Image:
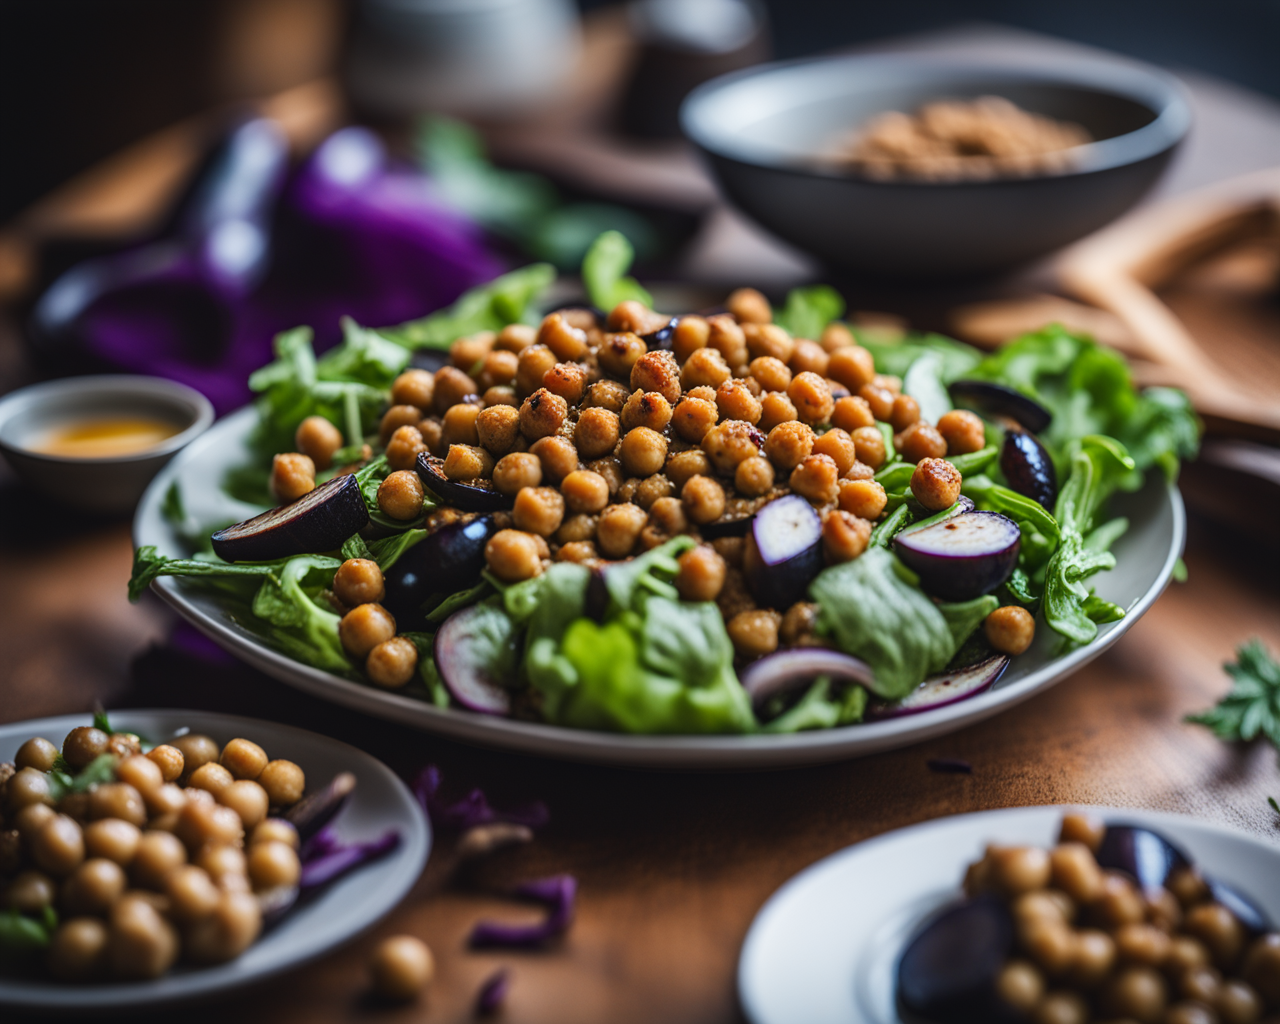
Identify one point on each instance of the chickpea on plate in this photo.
(119, 859)
(745, 520)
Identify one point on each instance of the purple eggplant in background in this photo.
(962, 557)
(251, 250)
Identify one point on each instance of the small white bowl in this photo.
(110, 484)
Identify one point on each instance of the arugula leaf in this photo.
(505, 300)
(389, 550)
(354, 547)
(149, 565)
(428, 671)
(364, 357)
(23, 935)
(808, 310)
(604, 269)
(304, 629)
(898, 356)
(1274, 806)
(1252, 708)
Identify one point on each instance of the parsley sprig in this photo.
(1252, 708)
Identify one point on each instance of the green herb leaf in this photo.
(1252, 708)
(1274, 806)
(809, 310)
(149, 565)
(604, 269)
(505, 300)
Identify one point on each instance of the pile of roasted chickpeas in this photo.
(609, 445)
(169, 860)
(1093, 946)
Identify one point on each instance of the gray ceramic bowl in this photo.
(111, 484)
(763, 131)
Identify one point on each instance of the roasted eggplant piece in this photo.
(999, 400)
(1028, 468)
(962, 557)
(783, 551)
(468, 496)
(947, 688)
(318, 521)
(446, 561)
(663, 337)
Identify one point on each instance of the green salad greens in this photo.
(613, 646)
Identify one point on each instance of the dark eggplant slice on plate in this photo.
(947, 688)
(727, 526)
(318, 521)
(312, 813)
(446, 561)
(999, 400)
(663, 337)
(947, 974)
(1028, 468)
(783, 551)
(469, 496)
(464, 673)
(962, 557)
(797, 668)
(429, 359)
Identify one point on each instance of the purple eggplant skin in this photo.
(466, 681)
(999, 400)
(962, 557)
(318, 521)
(946, 688)
(471, 496)
(663, 337)
(1028, 468)
(446, 561)
(783, 551)
(797, 668)
(947, 973)
(726, 526)
(314, 811)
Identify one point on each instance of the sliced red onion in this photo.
(473, 809)
(948, 688)
(326, 858)
(798, 667)
(557, 893)
(493, 992)
(468, 681)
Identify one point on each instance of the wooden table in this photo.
(672, 867)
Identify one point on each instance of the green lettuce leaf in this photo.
(604, 271)
(808, 310)
(897, 356)
(823, 706)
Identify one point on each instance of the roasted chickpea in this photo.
(28, 787)
(706, 367)
(513, 555)
(30, 892)
(844, 536)
(466, 352)
(618, 353)
(811, 396)
(516, 471)
(1136, 992)
(538, 510)
(141, 943)
(192, 893)
(558, 456)
(888, 382)
(272, 864)
(962, 431)
(1075, 872)
(851, 413)
(906, 412)
(1061, 1008)
(869, 445)
(318, 439)
(534, 364)
(1035, 906)
(396, 417)
(227, 932)
(596, 433)
(1052, 945)
(143, 774)
(657, 372)
(113, 839)
(84, 744)
(754, 633)
(166, 799)
(276, 830)
(57, 847)
(772, 373)
(499, 370)
(458, 425)
(935, 483)
(683, 465)
(93, 887)
(839, 446)
(735, 401)
(703, 499)
(247, 799)
(693, 417)
(1119, 904)
(584, 491)
(1083, 828)
(516, 338)
(646, 409)
(748, 306)
(1009, 629)
(37, 753)
(643, 451)
(667, 514)
(452, 386)
(817, 479)
(581, 551)
(1142, 944)
(1237, 1003)
(619, 529)
(401, 967)
(414, 387)
(243, 758)
(1187, 885)
(392, 663)
(920, 441)
(1262, 967)
(78, 951)
(650, 489)
(284, 782)
(292, 476)
(701, 574)
(853, 366)
(1200, 983)
(212, 778)
(788, 445)
(196, 750)
(766, 340)
(358, 581)
(581, 526)
(1020, 985)
(1215, 926)
(31, 819)
(1018, 869)
(564, 340)
(433, 435)
(691, 334)
(775, 408)
(401, 494)
(753, 476)
(864, 498)
(1094, 958)
(500, 395)
(364, 627)
(498, 429)
(836, 336)
(878, 399)
(808, 357)
(542, 414)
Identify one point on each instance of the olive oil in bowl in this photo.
(105, 437)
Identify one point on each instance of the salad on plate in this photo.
(739, 521)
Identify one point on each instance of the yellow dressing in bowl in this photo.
(105, 437)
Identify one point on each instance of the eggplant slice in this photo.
(320, 520)
(469, 496)
(999, 400)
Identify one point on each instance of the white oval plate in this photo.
(1145, 557)
(824, 948)
(340, 912)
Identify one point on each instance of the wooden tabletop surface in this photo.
(672, 867)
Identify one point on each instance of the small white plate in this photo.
(1145, 559)
(339, 913)
(824, 948)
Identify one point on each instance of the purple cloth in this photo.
(351, 234)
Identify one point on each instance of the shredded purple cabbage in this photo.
(493, 992)
(473, 809)
(557, 893)
(326, 858)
